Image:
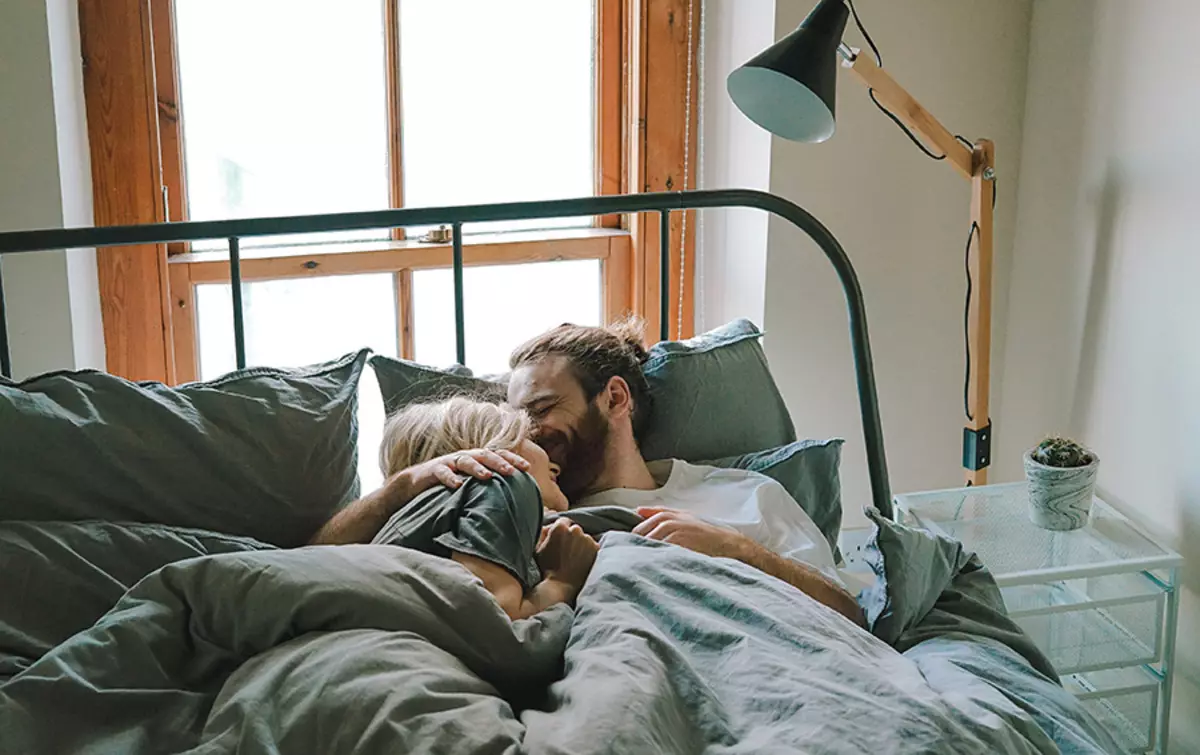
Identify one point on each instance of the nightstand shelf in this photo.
(1101, 601)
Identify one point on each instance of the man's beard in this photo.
(581, 456)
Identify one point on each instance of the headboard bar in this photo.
(661, 202)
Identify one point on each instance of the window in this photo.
(272, 107)
(284, 108)
(285, 111)
(497, 103)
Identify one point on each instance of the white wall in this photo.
(734, 153)
(1103, 313)
(52, 297)
(903, 219)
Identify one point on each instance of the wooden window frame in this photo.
(642, 144)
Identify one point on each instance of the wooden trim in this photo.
(209, 267)
(669, 154)
(170, 114)
(404, 313)
(122, 114)
(609, 74)
(617, 295)
(183, 323)
(131, 78)
(918, 120)
(633, 136)
(979, 314)
(395, 142)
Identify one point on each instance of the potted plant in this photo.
(1062, 480)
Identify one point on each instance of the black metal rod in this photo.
(664, 275)
(161, 233)
(460, 322)
(164, 233)
(5, 357)
(235, 284)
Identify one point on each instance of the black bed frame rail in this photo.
(662, 202)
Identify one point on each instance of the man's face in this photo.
(572, 429)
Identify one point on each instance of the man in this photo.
(586, 392)
(585, 389)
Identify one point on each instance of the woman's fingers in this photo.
(492, 460)
(447, 476)
(514, 459)
(466, 463)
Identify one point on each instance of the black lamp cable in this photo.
(974, 225)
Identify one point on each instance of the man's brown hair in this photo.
(597, 355)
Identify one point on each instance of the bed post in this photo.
(460, 323)
(664, 275)
(5, 358)
(235, 288)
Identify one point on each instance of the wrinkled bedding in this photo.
(365, 649)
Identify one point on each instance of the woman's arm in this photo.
(361, 520)
(508, 591)
(565, 554)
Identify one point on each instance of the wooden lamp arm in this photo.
(910, 112)
(977, 165)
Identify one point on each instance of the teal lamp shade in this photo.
(789, 88)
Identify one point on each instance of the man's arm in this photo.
(689, 531)
(361, 520)
(802, 576)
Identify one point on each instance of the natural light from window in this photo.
(497, 101)
(284, 109)
(504, 305)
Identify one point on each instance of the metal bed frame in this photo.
(661, 202)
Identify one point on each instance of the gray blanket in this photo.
(365, 649)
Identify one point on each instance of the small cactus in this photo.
(1062, 453)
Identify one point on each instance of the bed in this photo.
(150, 605)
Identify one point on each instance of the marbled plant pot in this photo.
(1060, 498)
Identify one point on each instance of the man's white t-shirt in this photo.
(748, 502)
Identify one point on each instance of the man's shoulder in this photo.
(700, 474)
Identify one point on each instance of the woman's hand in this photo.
(452, 470)
(565, 553)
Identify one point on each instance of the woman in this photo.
(491, 526)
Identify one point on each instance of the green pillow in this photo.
(808, 469)
(403, 382)
(265, 453)
(713, 394)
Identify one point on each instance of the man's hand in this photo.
(690, 531)
(449, 470)
(565, 553)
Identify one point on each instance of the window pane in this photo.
(298, 321)
(504, 306)
(497, 102)
(284, 108)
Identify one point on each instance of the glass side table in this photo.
(1101, 601)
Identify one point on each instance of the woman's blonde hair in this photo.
(420, 432)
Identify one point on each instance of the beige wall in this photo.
(903, 219)
(734, 153)
(1103, 312)
(45, 182)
